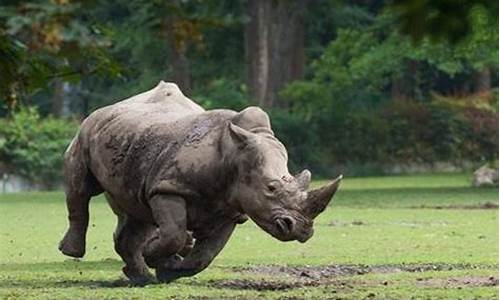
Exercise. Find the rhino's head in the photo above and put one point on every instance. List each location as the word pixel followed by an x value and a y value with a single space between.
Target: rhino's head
pixel 264 189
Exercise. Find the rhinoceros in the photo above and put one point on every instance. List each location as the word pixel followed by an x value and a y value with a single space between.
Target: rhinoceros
pixel 180 178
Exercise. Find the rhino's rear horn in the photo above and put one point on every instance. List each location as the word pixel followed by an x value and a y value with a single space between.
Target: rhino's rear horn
pixel 318 199
pixel 303 179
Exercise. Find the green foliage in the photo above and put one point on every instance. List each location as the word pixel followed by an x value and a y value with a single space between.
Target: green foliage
pixel 361 66
pixel 441 19
pixel 368 97
pixel 44 40
pixel 222 93
pixel 33 147
pixel 393 133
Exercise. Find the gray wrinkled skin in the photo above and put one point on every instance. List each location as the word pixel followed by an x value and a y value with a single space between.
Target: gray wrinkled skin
pixel 180 179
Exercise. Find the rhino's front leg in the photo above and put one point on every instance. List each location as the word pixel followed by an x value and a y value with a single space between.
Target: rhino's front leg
pixel 169 213
pixel 204 251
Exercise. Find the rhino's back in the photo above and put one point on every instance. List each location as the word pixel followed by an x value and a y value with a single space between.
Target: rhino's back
pixel 123 139
pixel 163 104
pixel 165 98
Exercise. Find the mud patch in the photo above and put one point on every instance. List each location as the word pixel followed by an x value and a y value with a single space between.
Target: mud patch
pixel 337 276
pixel 486 205
pixel 459 282
pixel 261 285
pixel 332 271
pixel 273 285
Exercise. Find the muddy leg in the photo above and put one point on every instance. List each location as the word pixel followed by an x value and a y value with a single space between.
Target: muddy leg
pixel 130 237
pixel 80 186
pixel 73 243
pixel 169 213
pixel 204 251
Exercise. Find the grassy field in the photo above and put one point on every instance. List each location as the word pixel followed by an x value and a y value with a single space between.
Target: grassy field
pixel 418 237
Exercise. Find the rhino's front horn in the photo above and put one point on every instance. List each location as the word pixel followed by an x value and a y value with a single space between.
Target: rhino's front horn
pixel 318 199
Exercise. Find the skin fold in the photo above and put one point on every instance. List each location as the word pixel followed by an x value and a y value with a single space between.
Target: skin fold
pixel 180 179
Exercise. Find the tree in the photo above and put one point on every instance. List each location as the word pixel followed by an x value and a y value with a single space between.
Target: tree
pixel 274 47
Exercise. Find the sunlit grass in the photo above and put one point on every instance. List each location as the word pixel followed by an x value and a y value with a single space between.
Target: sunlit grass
pixel 372 221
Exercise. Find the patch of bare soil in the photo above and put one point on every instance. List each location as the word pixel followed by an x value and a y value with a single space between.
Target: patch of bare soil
pixel 332 271
pixel 262 285
pixel 486 205
pixel 336 276
pixel 274 285
pixel 459 282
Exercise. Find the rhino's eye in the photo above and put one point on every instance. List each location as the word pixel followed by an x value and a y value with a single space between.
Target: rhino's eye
pixel 273 186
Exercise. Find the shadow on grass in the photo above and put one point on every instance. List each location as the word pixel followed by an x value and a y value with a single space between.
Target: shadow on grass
pixel 52 274
pixel 108 264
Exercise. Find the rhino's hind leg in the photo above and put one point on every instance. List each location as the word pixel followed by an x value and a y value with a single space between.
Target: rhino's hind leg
pixel 80 187
pixel 130 237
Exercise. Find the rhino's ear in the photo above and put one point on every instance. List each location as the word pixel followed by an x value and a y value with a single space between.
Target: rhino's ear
pixel 238 134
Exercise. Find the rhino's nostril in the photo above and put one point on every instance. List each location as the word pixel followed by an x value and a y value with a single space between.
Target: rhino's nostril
pixel 285 225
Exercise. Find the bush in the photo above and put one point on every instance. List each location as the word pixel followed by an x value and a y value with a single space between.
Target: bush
pixel 222 93
pixel 300 139
pixel 408 132
pixel 33 147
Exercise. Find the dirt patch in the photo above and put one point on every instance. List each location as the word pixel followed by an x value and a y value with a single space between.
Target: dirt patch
pixel 332 271
pixel 486 205
pixel 335 276
pixel 459 282
pixel 262 285
pixel 274 285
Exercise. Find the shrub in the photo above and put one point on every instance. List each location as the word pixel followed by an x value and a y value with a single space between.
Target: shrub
pixel 33 147
pixel 402 132
pixel 222 93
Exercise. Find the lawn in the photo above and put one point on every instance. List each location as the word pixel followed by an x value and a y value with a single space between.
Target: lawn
pixel 421 237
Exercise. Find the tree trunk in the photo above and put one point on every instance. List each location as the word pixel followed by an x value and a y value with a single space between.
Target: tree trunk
pixel 58 98
pixel 180 69
pixel 483 81
pixel 274 47
pixel 178 60
pixel 85 106
pixel 397 88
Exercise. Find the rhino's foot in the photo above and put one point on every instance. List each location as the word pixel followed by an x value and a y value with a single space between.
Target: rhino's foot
pixel 73 244
pixel 138 277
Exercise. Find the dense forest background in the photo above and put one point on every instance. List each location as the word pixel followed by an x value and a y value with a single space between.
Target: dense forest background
pixel 362 87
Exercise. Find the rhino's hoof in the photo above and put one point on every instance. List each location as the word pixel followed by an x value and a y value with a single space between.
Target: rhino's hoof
pixel 72 246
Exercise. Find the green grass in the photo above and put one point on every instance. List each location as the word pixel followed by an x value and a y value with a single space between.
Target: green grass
pixel 380 221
